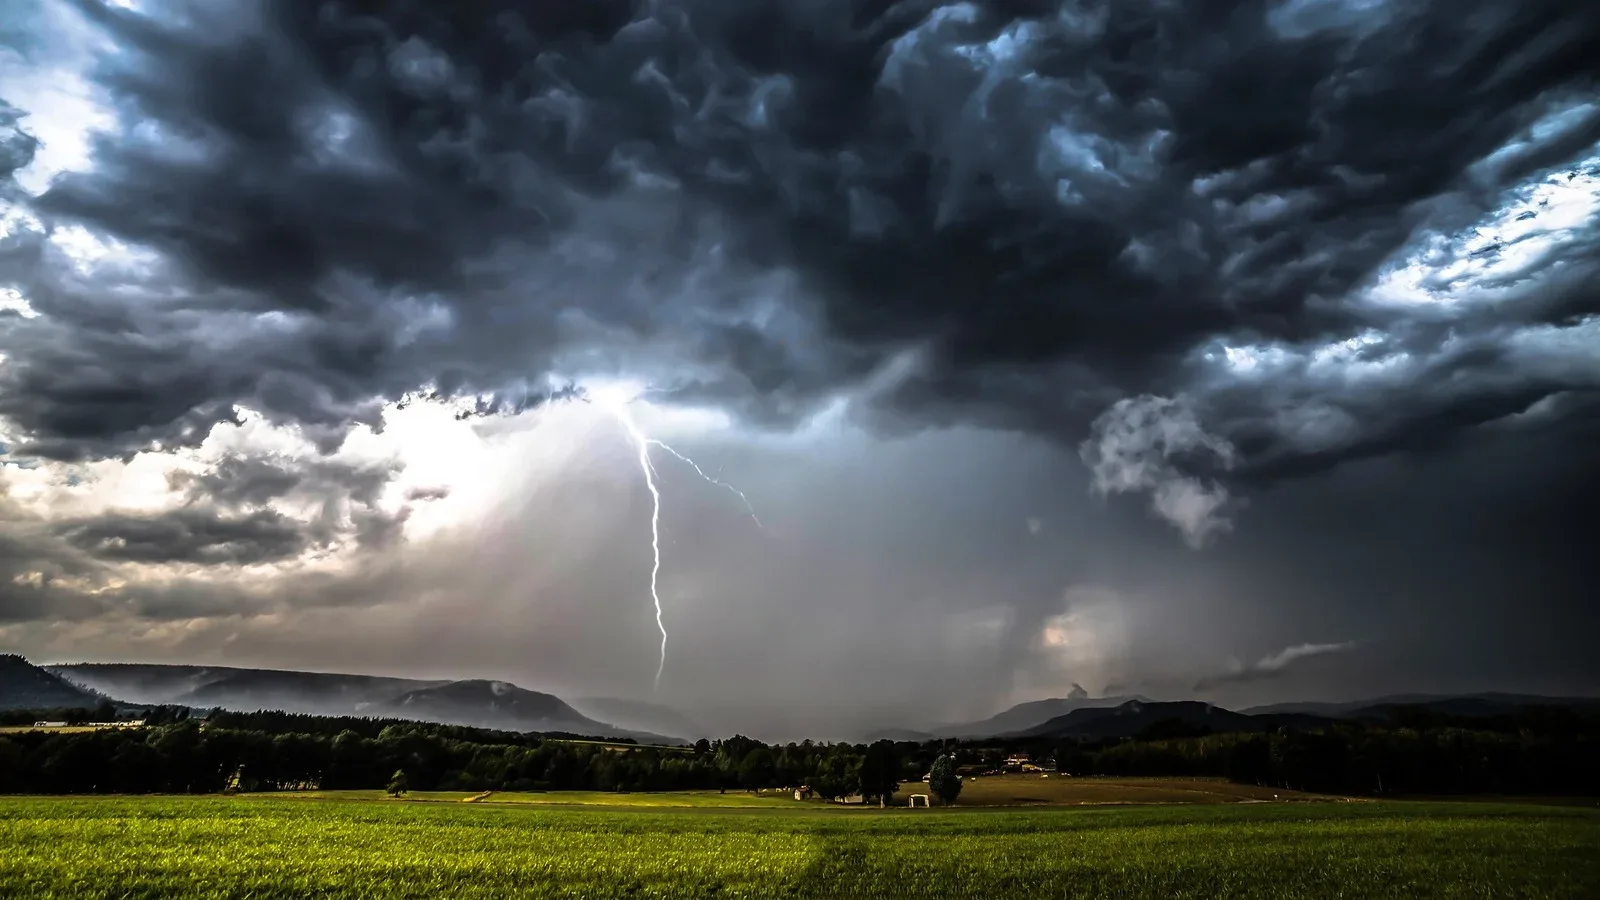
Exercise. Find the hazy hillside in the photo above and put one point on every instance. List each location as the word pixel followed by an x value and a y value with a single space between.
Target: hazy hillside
pixel 1135 716
pixel 490 704
pixel 27 686
pixel 139 683
pixel 502 705
pixel 898 735
pixel 1028 715
pixel 312 692
pixel 241 689
pixel 638 715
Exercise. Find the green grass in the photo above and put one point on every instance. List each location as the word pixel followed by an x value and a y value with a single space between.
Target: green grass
pixel 1055 790
pixel 270 847
pixel 1002 790
pixel 664 800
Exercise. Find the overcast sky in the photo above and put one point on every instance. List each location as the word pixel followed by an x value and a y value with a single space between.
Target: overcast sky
pixel 1243 351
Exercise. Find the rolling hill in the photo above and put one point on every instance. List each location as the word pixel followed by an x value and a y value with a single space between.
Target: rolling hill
pixel 238 688
pixel 24 685
pixel 1140 718
pixel 1135 716
pixel 490 704
pixel 137 683
pixel 487 704
pixel 309 692
pixel 1024 716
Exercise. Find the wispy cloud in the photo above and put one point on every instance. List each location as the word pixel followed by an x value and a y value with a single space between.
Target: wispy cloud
pixel 1272 665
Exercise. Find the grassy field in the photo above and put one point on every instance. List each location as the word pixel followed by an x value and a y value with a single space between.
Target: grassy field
pixel 666 800
pixel 1053 790
pixel 214 847
pixel 1002 790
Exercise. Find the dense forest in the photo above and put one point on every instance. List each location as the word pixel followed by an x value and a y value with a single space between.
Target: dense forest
pixel 1535 751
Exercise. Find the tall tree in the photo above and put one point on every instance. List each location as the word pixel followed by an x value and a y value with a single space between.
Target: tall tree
pixel 757 771
pixel 880 771
pixel 943 780
pixel 837 774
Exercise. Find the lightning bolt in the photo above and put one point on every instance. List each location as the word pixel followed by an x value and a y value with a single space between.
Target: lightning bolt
pixel 648 468
pixel 618 407
pixel 722 484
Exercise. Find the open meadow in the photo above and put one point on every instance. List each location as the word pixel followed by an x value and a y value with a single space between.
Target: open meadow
pixel 270 847
pixel 999 790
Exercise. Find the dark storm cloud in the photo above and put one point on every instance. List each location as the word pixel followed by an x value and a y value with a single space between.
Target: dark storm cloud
pixel 188 535
pixel 32 565
pixel 784 196
pixel 242 481
pixel 228 517
pixel 47 577
pixel 348 495
pixel 17 146
pixel 1134 229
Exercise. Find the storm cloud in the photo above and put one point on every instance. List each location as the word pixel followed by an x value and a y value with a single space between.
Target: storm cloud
pixel 1220 254
pixel 379 200
pixel 188 536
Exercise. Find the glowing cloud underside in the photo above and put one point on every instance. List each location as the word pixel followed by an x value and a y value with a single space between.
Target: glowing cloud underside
pixel 616 401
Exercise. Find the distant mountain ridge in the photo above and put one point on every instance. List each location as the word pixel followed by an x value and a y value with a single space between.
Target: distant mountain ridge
pixel 1490 703
pixel 491 704
pixel 1029 715
pixel 1124 717
pixel 314 692
pixel 24 685
pixel 1178 718
pixel 477 703
pixel 503 705
pixel 1136 716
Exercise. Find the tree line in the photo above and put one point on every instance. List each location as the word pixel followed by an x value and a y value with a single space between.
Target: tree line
pixel 1363 760
pixel 1550 751
pixel 270 751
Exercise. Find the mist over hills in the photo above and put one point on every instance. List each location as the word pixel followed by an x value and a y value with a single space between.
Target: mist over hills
pixel 643 715
pixel 478 703
pixel 506 706
pixel 322 693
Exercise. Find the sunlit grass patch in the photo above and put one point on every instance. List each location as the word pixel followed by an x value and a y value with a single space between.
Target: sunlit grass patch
pixel 213 847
